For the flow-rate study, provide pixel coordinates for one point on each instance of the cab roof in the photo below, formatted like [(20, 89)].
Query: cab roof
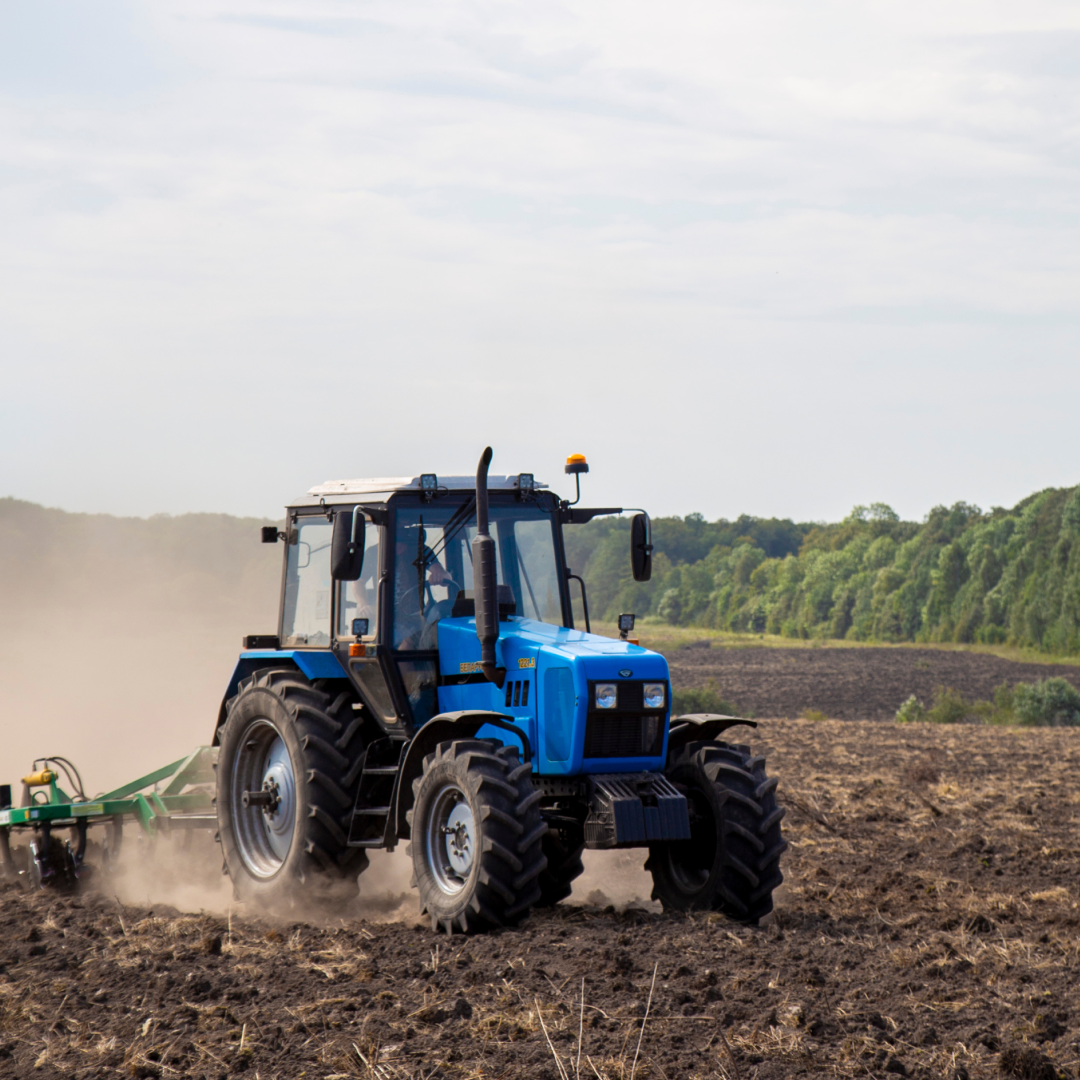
[(388, 485)]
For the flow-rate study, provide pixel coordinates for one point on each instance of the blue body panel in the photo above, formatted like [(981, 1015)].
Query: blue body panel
[(558, 664)]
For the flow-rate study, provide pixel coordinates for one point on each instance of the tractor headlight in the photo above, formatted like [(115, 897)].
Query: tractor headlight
[(654, 695), (606, 695)]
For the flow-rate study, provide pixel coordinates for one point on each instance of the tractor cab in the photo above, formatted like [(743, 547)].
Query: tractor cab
[(397, 613)]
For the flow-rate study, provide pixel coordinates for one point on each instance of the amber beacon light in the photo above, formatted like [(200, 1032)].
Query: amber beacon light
[(576, 463)]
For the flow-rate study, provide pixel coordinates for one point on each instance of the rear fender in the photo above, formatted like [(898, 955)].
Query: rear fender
[(443, 728), (700, 727), (313, 663)]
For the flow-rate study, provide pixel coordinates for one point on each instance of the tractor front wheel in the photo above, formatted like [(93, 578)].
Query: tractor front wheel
[(476, 835), (290, 758), (731, 863)]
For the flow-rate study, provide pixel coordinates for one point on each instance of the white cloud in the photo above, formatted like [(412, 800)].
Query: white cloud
[(766, 257)]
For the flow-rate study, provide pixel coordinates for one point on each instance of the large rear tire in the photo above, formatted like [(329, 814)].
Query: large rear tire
[(731, 863), (476, 835), (297, 745)]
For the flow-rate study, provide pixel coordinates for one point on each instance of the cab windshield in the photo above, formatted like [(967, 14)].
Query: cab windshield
[(433, 566)]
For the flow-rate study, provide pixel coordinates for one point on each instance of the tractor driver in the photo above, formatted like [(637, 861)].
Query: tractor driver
[(365, 592), (416, 616)]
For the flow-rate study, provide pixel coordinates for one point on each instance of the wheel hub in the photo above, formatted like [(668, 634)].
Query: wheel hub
[(451, 839), (279, 782), (263, 799), (459, 841)]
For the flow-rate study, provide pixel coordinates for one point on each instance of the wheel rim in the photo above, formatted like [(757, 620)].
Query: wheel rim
[(691, 861), (450, 840), (264, 835)]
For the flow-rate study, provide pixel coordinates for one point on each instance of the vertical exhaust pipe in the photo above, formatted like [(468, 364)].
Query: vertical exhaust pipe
[(485, 579)]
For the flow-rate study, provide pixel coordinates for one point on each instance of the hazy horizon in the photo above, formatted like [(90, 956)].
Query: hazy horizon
[(279, 515)]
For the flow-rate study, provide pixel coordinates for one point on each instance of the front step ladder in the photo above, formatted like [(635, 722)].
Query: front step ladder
[(375, 797)]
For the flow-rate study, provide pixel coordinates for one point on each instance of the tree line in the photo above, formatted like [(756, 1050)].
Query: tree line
[(961, 575)]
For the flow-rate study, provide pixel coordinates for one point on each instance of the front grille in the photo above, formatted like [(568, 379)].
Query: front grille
[(629, 730), (623, 735)]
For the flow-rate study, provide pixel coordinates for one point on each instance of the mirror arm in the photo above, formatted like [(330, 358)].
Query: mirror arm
[(648, 526), (569, 515)]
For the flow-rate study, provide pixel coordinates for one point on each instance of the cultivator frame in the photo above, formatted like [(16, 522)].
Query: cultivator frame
[(164, 800)]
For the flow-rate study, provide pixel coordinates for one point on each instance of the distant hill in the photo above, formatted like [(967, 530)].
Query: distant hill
[(208, 566), (1005, 576)]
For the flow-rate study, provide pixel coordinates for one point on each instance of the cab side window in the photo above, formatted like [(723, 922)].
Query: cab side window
[(306, 618), (360, 599)]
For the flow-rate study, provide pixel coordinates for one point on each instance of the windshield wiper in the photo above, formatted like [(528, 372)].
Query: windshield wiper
[(420, 564), (462, 516)]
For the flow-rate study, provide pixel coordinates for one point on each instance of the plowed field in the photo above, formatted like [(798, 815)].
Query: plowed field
[(928, 927), (864, 683)]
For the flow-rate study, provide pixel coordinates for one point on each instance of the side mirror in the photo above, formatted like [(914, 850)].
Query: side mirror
[(347, 546), (269, 534), (641, 547)]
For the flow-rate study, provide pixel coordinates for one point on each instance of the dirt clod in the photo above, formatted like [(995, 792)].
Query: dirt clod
[(1026, 1063)]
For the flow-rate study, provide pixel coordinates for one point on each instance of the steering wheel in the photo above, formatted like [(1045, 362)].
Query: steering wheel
[(430, 614)]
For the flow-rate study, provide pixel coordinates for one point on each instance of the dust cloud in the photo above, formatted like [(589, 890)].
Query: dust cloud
[(117, 642), (185, 873), (618, 878), (182, 871), (119, 635)]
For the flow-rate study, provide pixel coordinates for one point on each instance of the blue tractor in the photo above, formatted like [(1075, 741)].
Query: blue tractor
[(428, 683)]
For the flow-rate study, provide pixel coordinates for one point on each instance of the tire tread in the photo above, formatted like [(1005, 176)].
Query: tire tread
[(316, 710), (510, 851), (746, 870)]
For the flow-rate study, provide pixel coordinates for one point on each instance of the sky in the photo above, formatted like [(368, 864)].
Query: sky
[(749, 257)]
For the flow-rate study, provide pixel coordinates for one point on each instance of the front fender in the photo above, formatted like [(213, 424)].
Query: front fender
[(703, 727), (439, 729)]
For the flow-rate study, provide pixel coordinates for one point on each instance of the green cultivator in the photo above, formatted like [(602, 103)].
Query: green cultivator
[(178, 796)]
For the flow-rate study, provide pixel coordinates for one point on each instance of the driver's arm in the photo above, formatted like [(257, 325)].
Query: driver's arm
[(438, 575)]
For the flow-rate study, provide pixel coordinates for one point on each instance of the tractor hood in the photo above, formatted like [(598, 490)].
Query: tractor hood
[(549, 692)]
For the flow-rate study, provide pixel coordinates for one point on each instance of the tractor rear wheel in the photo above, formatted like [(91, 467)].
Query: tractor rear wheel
[(291, 754), (476, 835), (731, 863)]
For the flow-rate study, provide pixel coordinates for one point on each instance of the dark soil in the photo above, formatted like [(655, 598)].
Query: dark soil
[(846, 683), (928, 927)]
